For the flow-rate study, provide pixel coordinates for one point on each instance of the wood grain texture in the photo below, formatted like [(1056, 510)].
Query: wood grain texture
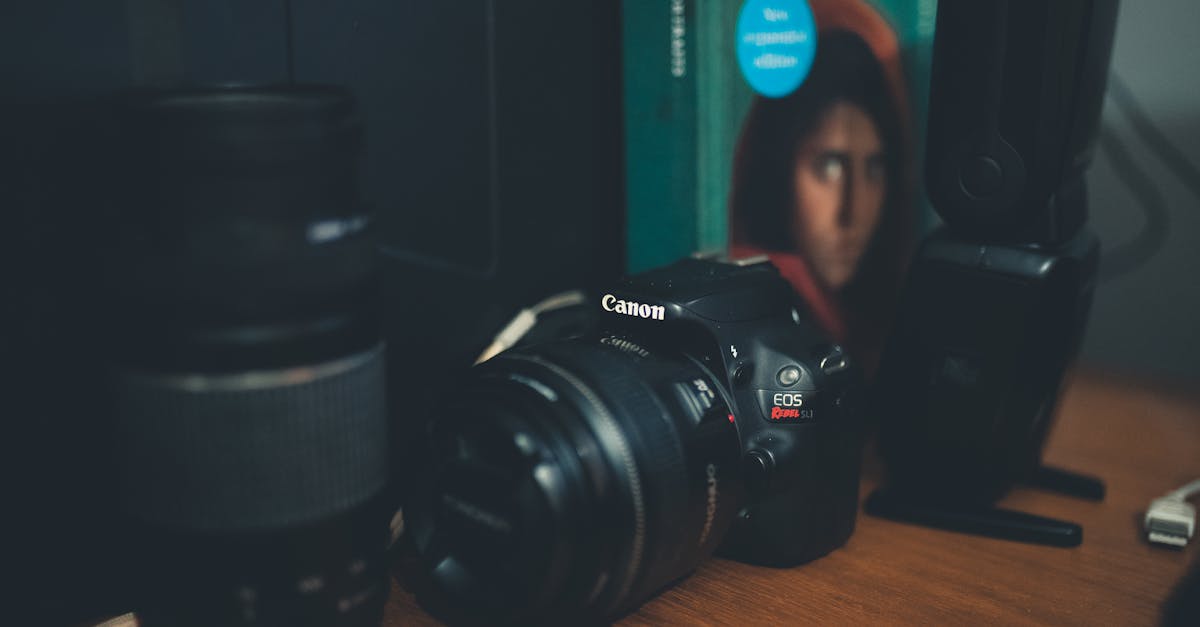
[(1142, 441)]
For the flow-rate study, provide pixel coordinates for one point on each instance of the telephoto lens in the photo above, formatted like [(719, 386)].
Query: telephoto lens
[(248, 361)]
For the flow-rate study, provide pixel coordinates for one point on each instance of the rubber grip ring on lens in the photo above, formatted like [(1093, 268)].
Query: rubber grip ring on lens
[(253, 450)]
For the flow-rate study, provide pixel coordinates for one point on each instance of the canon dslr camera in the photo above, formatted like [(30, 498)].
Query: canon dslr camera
[(579, 477)]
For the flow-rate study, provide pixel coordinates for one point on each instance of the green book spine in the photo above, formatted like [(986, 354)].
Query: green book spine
[(660, 131), (722, 101)]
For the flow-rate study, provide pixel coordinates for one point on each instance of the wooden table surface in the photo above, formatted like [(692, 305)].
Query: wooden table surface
[(1142, 441)]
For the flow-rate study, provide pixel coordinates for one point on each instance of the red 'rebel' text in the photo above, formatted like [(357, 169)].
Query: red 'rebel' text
[(778, 413)]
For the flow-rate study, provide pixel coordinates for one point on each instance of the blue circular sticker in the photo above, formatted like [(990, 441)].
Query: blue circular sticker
[(776, 42)]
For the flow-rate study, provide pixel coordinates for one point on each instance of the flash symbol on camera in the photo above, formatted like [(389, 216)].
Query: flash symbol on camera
[(733, 351)]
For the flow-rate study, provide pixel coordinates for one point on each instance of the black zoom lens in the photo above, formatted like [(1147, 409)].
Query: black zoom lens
[(248, 360), (574, 479)]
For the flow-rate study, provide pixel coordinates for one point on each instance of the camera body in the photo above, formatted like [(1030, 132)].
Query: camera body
[(577, 477), (791, 394)]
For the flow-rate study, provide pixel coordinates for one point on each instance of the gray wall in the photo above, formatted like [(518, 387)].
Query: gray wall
[(1144, 322)]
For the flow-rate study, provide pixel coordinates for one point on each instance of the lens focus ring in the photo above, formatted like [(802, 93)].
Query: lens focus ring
[(253, 450)]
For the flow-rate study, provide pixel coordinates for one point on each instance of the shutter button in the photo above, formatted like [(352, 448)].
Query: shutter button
[(788, 376)]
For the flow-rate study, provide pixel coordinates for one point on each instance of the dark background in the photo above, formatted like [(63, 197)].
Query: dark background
[(493, 128)]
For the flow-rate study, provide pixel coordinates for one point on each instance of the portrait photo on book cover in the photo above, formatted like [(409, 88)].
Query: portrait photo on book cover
[(823, 179)]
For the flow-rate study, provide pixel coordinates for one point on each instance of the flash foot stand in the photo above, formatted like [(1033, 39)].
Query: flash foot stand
[(987, 520)]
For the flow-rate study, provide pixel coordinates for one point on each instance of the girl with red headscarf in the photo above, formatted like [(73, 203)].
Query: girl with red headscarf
[(822, 179)]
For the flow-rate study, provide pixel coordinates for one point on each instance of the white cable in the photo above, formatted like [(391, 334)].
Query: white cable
[(559, 301), (525, 320), (1187, 491), (1170, 519)]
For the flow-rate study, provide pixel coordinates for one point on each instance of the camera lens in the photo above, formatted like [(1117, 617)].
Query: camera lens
[(572, 479), (248, 359)]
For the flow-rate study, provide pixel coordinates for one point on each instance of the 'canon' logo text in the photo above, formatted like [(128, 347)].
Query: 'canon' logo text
[(625, 345), (630, 308)]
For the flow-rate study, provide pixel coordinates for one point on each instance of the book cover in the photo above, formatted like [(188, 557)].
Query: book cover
[(790, 128)]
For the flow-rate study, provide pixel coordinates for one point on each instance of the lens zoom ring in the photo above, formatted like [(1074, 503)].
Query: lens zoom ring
[(278, 449)]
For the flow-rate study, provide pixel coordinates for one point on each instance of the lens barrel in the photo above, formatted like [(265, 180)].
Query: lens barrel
[(572, 479), (247, 359)]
